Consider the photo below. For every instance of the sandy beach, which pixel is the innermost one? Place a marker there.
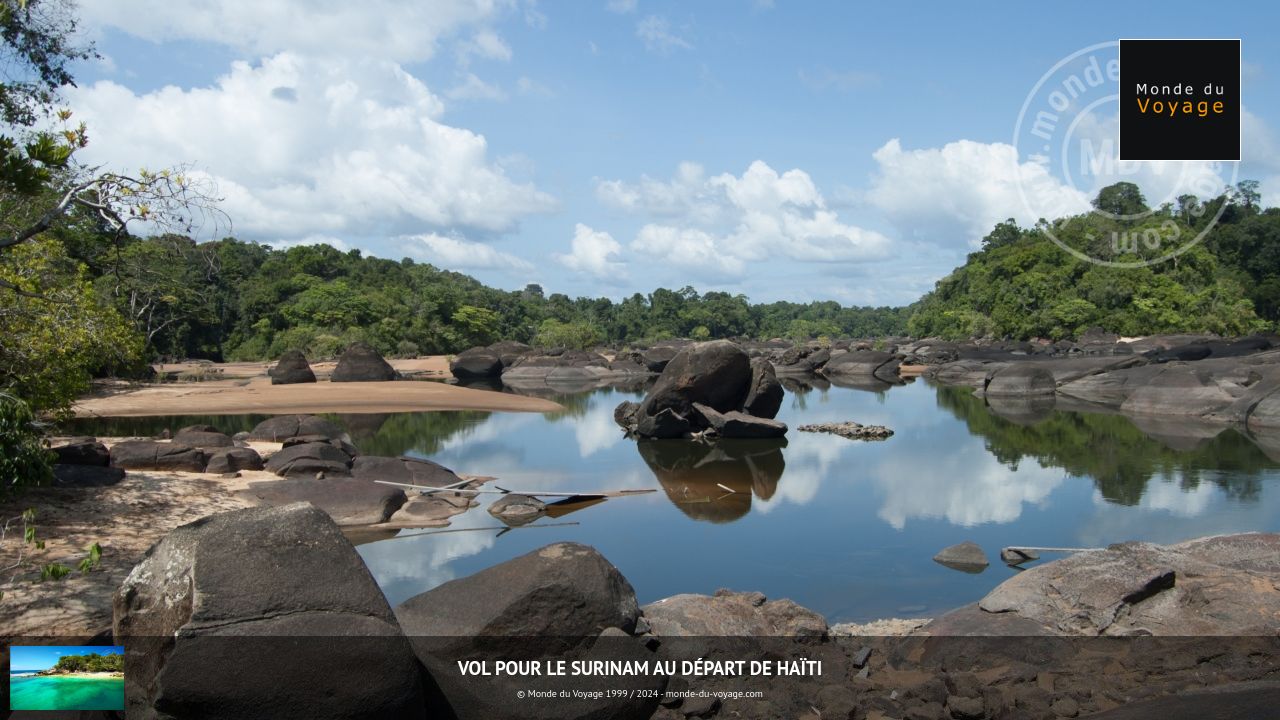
(244, 388)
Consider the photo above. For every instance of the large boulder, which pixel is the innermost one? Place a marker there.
(1216, 586)
(1265, 414)
(764, 398)
(307, 459)
(476, 363)
(1021, 380)
(1110, 388)
(283, 427)
(864, 362)
(508, 351)
(235, 459)
(153, 455)
(239, 615)
(656, 358)
(732, 614)
(737, 425)
(361, 363)
(1181, 390)
(347, 501)
(202, 436)
(562, 602)
(716, 374)
(292, 368)
(82, 451)
(411, 471)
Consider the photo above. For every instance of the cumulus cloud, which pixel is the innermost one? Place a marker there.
(451, 252)
(300, 146)
(401, 30)
(473, 88)
(960, 191)
(721, 223)
(656, 32)
(486, 44)
(592, 253)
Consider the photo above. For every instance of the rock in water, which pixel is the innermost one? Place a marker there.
(765, 396)
(965, 557)
(238, 615)
(361, 363)
(478, 362)
(737, 425)
(517, 509)
(1021, 379)
(292, 369)
(716, 374)
(851, 430)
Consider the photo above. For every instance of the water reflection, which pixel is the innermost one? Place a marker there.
(715, 482)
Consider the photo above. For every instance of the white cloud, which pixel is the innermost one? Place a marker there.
(485, 44)
(960, 191)
(300, 146)
(656, 32)
(456, 253)
(719, 224)
(473, 88)
(592, 253)
(621, 6)
(399, 30)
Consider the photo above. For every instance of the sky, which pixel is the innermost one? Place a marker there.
(784, 150)
(43, 657)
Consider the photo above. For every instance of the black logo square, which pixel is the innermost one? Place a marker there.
(1179, 99)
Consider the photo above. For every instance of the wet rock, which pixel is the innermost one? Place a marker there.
(764, 399)
(625, 415)
(283, 427)
(1021, 379)
(478, 362)
(230, 460)
(965, 557)
(730, 614)
(850, 430)
(152, 455)
(81, 476)
(210, 600)
(1018, 556)
(737, 425)
(291, 369)
(517, 509)
(82, 451)
(345, 500)
(361, 363)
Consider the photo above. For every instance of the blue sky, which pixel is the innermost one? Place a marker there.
(606, 147)
(43, 657)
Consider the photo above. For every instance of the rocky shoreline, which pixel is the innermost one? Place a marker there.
(1088, 634)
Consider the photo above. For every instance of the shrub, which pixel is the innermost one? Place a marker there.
(23, 459)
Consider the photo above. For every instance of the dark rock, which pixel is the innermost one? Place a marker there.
(851, 430)
(291, 369)
(478, 362)
(717, 374)
(267, 589)
(283, 427)
(625, 415)
(730, 614)
(202, 438)
(152, 455)
(82, 451)
(966, 557)
(85, 475)
(700, 706)
(232, 460)
(361, 363)
(1021, 379)
(656, 358)
(665, 425)
(764, 399)
(1184, 391)
(864, 362)
(1226, 702)
(1018, 556)
(508, 351)
(347, 501)
(1184, 353)
(411, 471)
(966, 708)
(739, 425)
(301, 459)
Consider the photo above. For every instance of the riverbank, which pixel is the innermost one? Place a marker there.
(245, 388)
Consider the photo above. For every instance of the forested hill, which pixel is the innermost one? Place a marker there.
(232, 300)
(1021, 285)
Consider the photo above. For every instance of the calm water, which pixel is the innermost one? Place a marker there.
(66, 693)
(844, 527)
